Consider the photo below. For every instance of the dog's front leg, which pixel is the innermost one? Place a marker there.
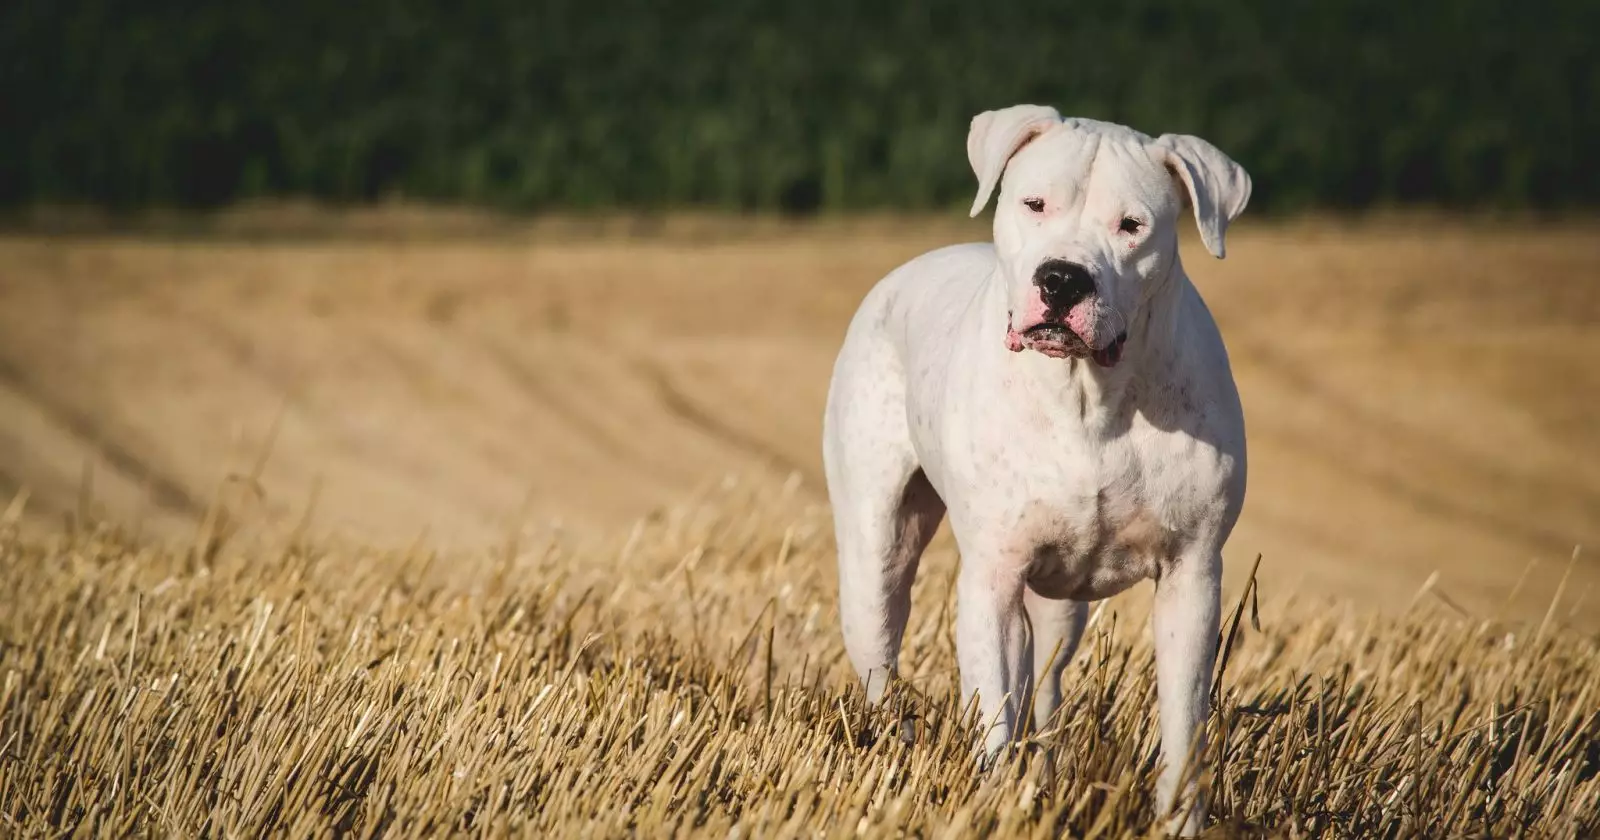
(1185, 618)
(994, 647)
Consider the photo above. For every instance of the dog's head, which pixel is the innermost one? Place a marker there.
(1086, 222)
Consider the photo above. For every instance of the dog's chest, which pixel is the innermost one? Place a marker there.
(1090, 518)
(1089, 548)
(1091, 533)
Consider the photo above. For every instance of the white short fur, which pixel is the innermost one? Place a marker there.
(1066, 479)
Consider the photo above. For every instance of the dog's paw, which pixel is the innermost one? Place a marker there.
(1184, 826)
(989, 758)
(1189, 820)
(905, 730)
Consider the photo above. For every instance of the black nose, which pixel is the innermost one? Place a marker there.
(1062, 284)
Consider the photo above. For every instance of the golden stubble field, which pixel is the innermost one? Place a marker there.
(384, 529)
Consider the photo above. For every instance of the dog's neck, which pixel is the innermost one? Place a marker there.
(1100, 395)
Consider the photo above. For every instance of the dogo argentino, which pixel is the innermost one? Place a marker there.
(1064, 395)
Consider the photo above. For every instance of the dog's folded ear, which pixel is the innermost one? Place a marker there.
(1218, 188)
(997, 135)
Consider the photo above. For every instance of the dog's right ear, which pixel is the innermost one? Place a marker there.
(996, 136)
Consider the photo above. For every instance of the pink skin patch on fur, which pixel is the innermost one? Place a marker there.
(1034, 312)
(1074, 336)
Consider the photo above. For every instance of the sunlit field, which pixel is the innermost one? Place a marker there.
(508, 532)
(686, 678)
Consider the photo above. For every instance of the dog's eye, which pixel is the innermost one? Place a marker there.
(1034, 204)
(1130, 225)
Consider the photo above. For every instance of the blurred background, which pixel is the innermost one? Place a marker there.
(450, 267)
(778, 105)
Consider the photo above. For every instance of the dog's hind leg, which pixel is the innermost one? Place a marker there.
(1057, 628)
(877, 564)
(884, 509)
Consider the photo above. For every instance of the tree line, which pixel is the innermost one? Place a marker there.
(785, 105)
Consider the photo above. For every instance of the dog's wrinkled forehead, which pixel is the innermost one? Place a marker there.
(1080, 156)
(1095, 130)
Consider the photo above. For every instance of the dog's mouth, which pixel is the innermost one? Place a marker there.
(1059, 342)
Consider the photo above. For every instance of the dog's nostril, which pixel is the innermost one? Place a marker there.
(1062, 284)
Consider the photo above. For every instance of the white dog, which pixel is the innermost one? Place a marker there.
(1065, 396)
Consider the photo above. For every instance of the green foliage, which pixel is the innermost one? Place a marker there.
(777, 104)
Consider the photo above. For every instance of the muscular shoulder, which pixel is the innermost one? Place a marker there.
(1194, 391)
(925, 294)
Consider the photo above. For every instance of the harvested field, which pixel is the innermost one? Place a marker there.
(687, 679)
(387, 530)
(1420, 393)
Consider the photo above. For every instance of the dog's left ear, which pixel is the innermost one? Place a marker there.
(997, 135)
(1218, 188)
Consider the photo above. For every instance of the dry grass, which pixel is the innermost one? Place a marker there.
(686, 678)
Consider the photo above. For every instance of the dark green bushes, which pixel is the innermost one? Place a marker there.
(778, 104)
